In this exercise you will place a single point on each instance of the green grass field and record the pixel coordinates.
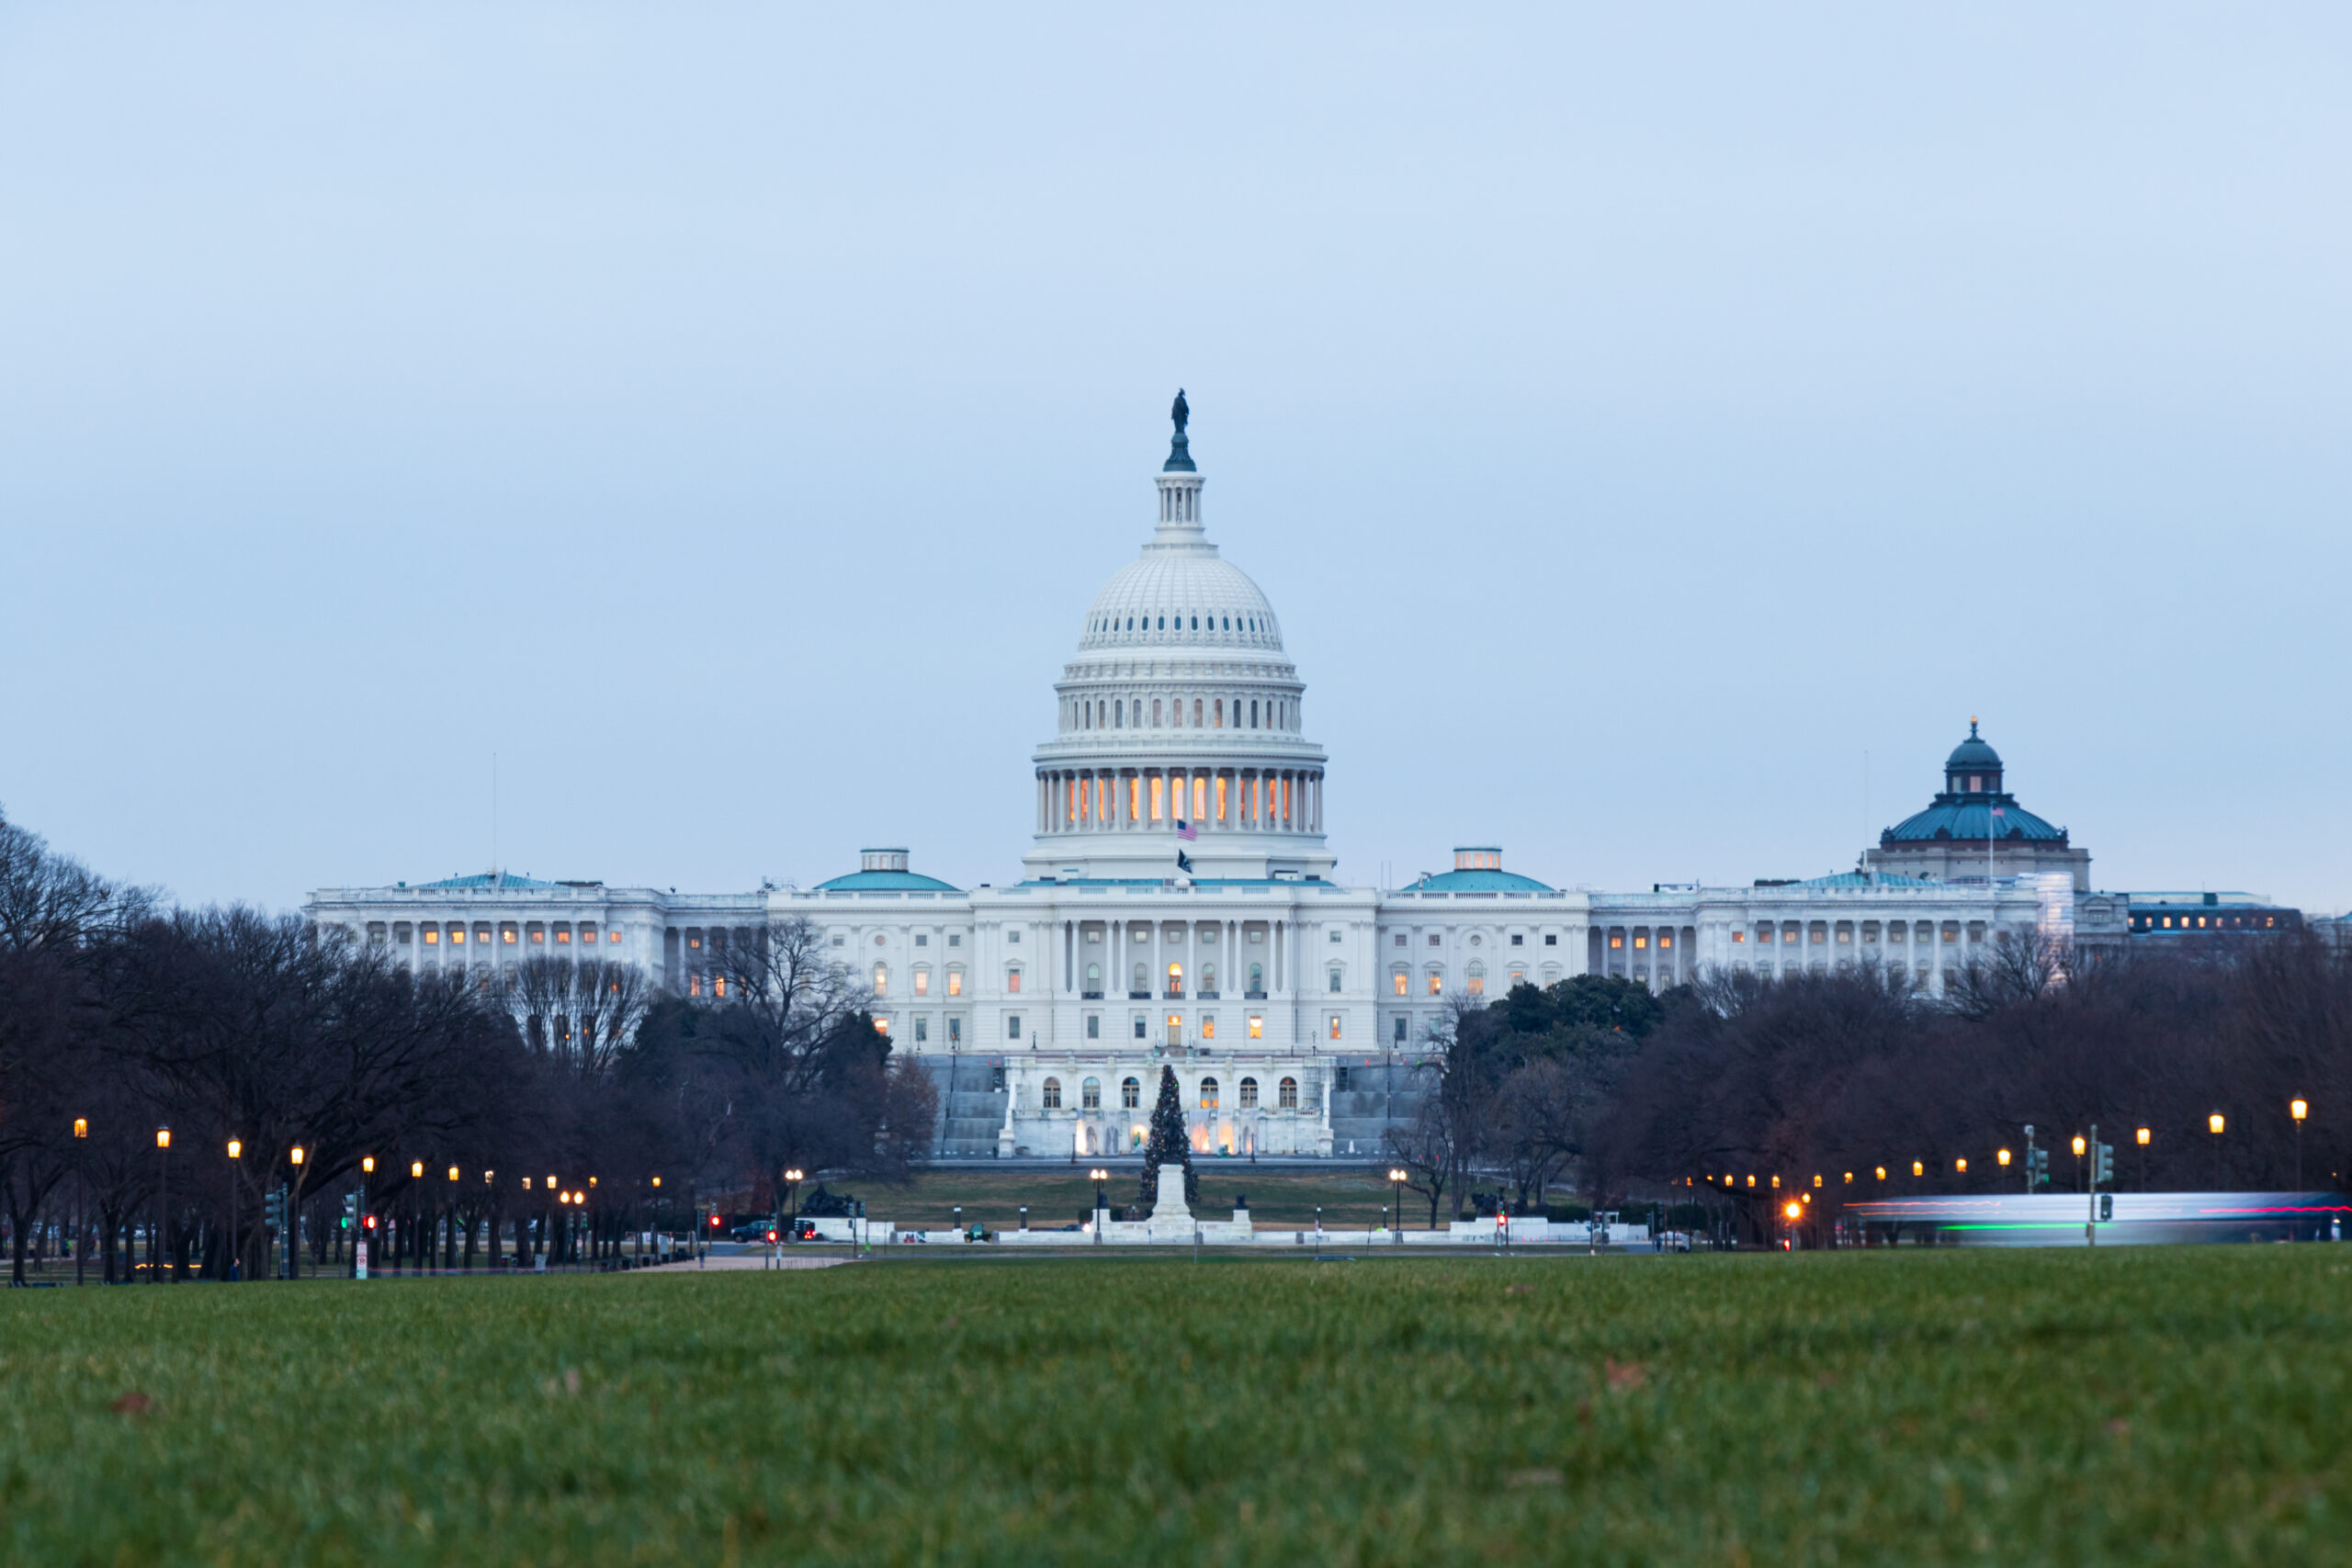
(2178, 1405)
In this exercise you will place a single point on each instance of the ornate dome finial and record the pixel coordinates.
(1180, 455)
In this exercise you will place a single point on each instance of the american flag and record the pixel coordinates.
(1187, 831)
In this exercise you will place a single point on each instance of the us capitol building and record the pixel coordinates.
(1177, 905)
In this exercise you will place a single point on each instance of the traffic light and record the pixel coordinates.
(714, 1222)
(2038, 1166)
(273, 1208)
(2102, 1163)
(771, 1237)
(350, 1209)
(370, 1222)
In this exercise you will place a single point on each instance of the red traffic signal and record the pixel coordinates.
(771, 1235)
(714, 1222)
(371, 1222)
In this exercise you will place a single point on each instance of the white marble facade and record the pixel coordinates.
(1180, 729)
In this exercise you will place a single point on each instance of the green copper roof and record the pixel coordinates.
(488, 879)
(886, 882)
(1479, 882)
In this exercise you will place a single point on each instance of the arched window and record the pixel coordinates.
(1155, 713)
(923, 979)
(1142, 979)
(1196, 623)
(1209, 979)
(1286, 1095)
(1119, 715)
(955, 980)
(1130, 1094)
(881, 979)
(1258, 977)
(1208, 1094)
(1254, 714)
(1196, 713)
(1399, 977)
(1089, 1095)
(1437, 981)
(1053, 1096)
(1249, 1094)
(1478, 979)
(1163, 623)
(1218, 721)
(1094, 979)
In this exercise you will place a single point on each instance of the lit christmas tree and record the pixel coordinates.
(1169, 1140)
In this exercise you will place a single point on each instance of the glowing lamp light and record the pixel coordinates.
(81, 1126)
(550, 1183)
(1808, 1197)
(1776, 1181)
(236, 1149)
(1882, 1173)
(2216, 1123)
(163, 1137)
(1918, 1168)
(2078, 1146)
(489, 1178)
(1794, 1210)
(1850, 1178)
(1961, 1166)
(2298, 1109)
(2003, 1157)
(367, 1165)
(1816, 1180)
(2143, 1136)
(297, 1153)
(453, 1173)
(1752, 1179)
(657, 1181)
(526, 1184)
(416, 1170)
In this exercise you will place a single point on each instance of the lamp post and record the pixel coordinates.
(81, 1195)
(2141, 1137)
(1397, 1193)
(163, 1201)
(366, 1221)
(792, 1181)
(2078, 1159)
(2299, 1110)
(2215, 1124)
(236, 1240)
(1098, 1176)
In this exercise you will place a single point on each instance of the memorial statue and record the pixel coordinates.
(1180, 454)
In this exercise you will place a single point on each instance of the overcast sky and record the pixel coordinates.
(1650, 424)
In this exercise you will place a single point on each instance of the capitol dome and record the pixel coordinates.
(1179, 746)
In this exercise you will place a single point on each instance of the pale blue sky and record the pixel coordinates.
(725, 414)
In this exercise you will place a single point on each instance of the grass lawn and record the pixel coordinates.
(1350, 1199)
(2138, 1405)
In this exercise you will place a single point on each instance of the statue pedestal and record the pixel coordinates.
(1172, 1217)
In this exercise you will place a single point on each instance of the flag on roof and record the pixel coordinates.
(1182, 864)
(1187, 831)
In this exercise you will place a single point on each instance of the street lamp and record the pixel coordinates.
(163, 1201)
(2299, 1110)
(2216, 1125)
(2078, 1158)
(792, 1181)
(1098, 1176)
(236, 1243)
(1397, 1189)
(81, 1190)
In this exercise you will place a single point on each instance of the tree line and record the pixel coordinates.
(555, 1106)
(1594, 1083)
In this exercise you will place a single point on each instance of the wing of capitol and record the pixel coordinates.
(1178, 908)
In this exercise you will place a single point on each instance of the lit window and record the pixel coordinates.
(1249, 1094)
(431, 937)
(1335, 1026)
(1208, 1027)
(1257, 1027)
(1666, 942)
(539, 935)
(881, 979)
(1208, 1094)
(1013, 981)
(563, 934)
(1134, 799)
(882, 1027)
(1739, 937)
(1052, 1096)
(1399, 978)
(457, 935)
(1220, 797)
(1217, 713)
(1286, 1095)
(1157, 789)
(1477, 977)
(922, 982)
(1437, 981)
(1616, 941)
(719, 985)
(507, 936)
(955, 982)
(612, 934)
(1641, 942)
